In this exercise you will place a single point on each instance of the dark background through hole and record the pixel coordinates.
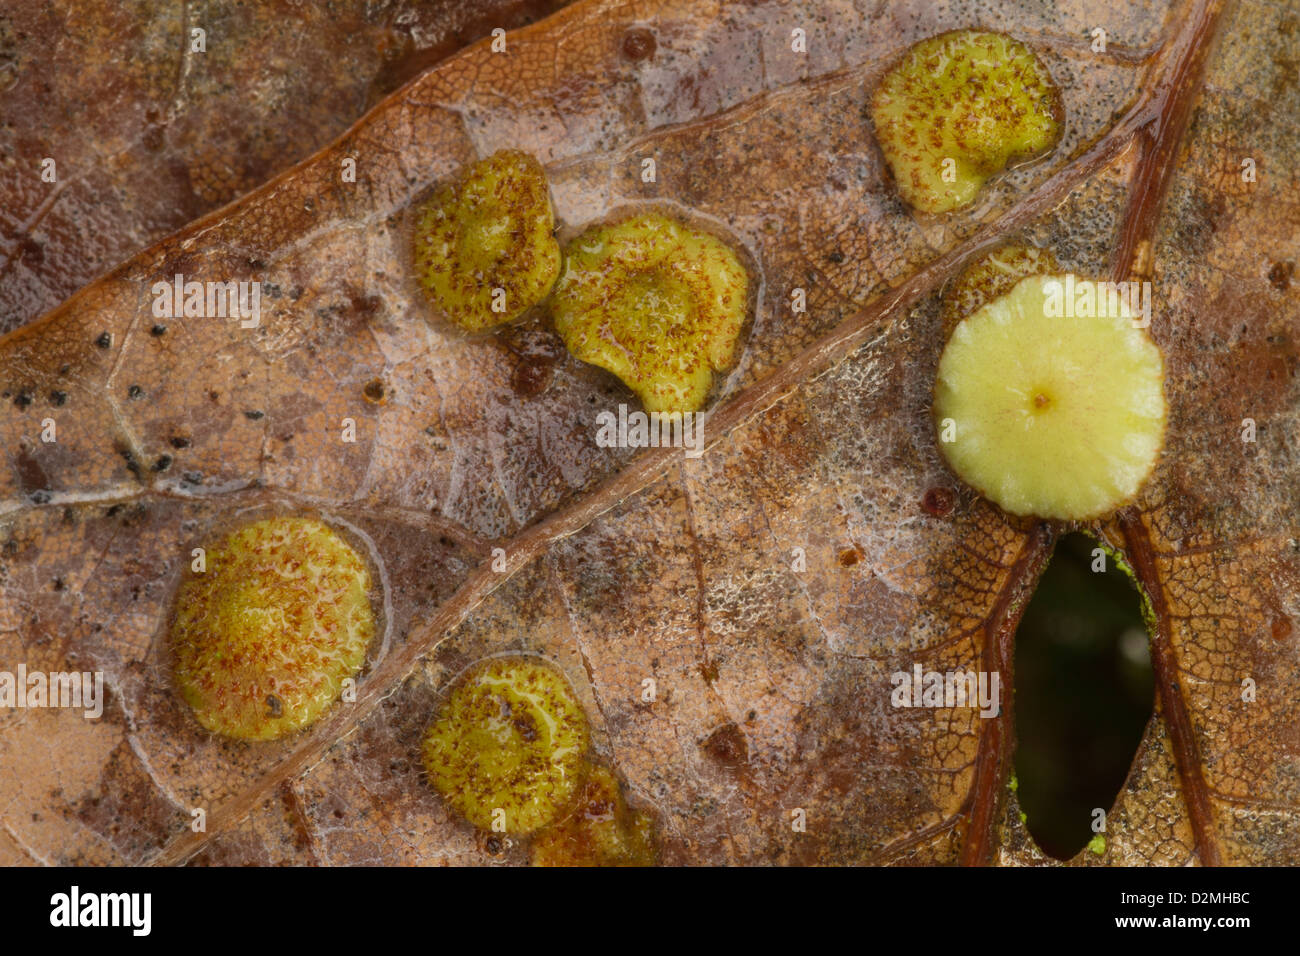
(1084, 691)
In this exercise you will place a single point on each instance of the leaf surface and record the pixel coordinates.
(773, 684)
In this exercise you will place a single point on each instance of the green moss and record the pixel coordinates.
(956, 109)
(659, 304)
(1097, 844)
(1148, 612)
(507, 750)
(264, 637)
(487, 240)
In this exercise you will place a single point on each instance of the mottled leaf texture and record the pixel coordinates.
(148, 135)
(770, 587)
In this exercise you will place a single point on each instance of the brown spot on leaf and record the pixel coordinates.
(530, 378)
(31, 251)
(727, 747)
(31, 476)
(1279, 276)
(938, 501)
(364, 306)
(638, 44)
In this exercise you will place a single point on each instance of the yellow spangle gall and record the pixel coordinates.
(601, 830)
(957, 108)
(1049, 400)
(507, 749)
(484, 244)
(656, 302)
(265, 634)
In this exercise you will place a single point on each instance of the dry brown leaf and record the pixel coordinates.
(773, 684)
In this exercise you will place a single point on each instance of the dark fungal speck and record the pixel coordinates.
(31, 250)
(254, 414)
(727, 747)
(1279, 276)
(135, 391)
(58, 398)
(162, 463)
(158, 330)
(105, 340)
(530, 378)
(938, 501)
(638, 44)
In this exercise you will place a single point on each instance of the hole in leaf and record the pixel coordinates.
(1085, 691)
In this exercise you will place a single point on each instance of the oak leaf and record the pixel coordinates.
(768, 589)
